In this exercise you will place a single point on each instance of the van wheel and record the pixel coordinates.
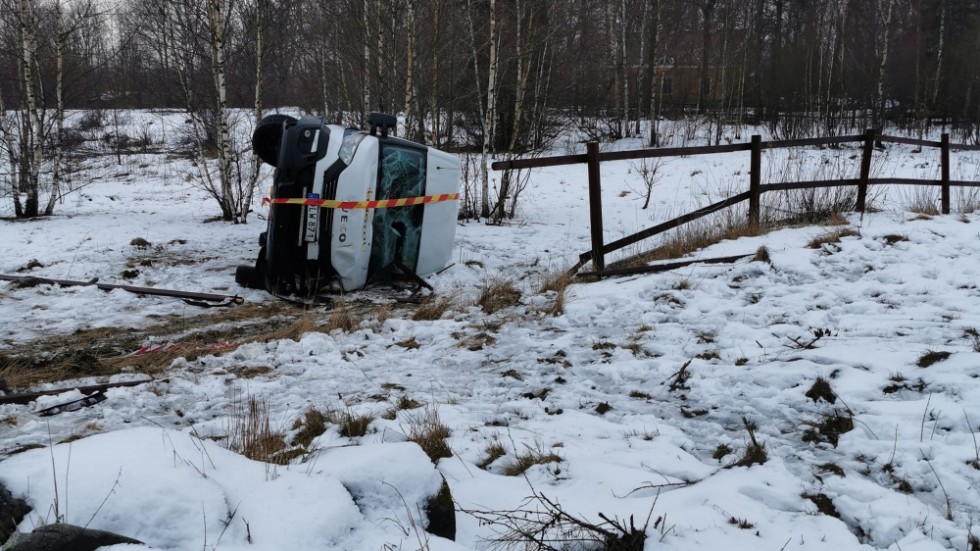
(267, 137)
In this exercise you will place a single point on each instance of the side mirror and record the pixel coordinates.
(383, 121)
(268, 136)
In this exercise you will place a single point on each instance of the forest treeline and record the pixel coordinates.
(493, 76)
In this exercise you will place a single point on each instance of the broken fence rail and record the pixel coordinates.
(194, 298)
(28, 397)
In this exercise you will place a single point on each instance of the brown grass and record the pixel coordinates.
(493, 451)
(497, 294)
(832, 237)
(105, 350)
(313, 423)
(690, 238)
(381, 314)
(251, 435)
(530, 457)
(430, 433)
(434, 307)
(352, 425)
(557, 284)
(342, 317)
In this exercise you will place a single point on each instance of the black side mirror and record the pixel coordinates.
(268, 135)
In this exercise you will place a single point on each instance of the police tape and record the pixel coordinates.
(351, 205)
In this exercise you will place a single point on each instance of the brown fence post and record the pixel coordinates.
(595, 206)
(755, 181)
(869, 143)
(944, 164)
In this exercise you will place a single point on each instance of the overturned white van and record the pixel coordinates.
(349, 208)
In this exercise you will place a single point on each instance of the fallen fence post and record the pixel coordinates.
(755, 181)
(28, 397)
(944, 164)
(869, 143)
(193, 298)
(595, 206)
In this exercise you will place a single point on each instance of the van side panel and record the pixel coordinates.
(439, 227)
(350, 251)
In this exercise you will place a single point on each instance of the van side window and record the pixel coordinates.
(397, 229)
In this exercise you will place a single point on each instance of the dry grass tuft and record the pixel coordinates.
(294, 331)
(382, 313)
(530, 457)
(493, 451)
(251, 435)
(434, 307)
(428, 431)
(352, 425)
(762, 255)
(313, 423)
(342, 317)
(755, 453)
(404, 402)
(556, 284)
(497, 294)
(832, 237)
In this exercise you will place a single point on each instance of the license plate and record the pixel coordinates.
(312, 220)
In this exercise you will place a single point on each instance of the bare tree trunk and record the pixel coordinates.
(624, 82)
(6, 135)
(653, 47)
(366, 91)
(59, 109)
(434, 106)
(218, 27)
(379, 60)
(32, 138)
(261, 12)
(614, 54)
(490, 116)
(707, 10)
(879, 107)
(410, 70)
(523, 72)
(940, 49)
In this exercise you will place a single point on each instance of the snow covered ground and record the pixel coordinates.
(645, 387)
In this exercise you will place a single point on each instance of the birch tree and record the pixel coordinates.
(490, 113)
(885, 9)
(31, 128)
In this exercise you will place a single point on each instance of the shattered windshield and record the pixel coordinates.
(397, 230)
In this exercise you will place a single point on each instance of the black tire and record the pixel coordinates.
(248, 276)
(267, 137)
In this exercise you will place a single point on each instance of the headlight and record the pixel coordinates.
(349, 147)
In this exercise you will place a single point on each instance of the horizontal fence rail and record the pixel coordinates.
(593, 157)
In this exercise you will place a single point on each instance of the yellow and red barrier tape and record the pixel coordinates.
(376, 204)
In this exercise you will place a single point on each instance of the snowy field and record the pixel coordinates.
(647, 393)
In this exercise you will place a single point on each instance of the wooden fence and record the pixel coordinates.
(592, 158)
